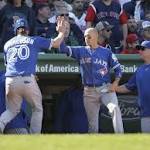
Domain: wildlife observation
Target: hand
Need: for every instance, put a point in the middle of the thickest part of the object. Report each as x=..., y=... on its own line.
x=62, y=24
x=36, y=77
x=113, y=87
x=61, y=27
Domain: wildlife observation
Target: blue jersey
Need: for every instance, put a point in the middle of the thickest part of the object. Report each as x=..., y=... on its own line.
x=21, y=54
x=95, y=65
x=140, y=81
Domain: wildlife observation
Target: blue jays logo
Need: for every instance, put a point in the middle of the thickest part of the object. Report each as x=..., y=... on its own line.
x=114, y=58
x=103, y=71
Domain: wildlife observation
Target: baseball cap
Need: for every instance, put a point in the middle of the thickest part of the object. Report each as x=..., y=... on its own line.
x=145, y=24
x=20, y=23
x=144, y=44
x=103, y=25
x=131, y=38
x=62, y=10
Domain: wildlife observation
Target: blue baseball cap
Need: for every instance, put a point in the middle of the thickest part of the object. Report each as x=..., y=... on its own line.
x=144, y=44
x=145, y=24
x=20, y=23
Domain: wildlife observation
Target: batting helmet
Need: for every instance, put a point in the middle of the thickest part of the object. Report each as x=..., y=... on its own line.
x=20, y=23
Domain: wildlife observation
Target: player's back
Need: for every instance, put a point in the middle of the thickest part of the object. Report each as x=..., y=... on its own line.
x=21, y=55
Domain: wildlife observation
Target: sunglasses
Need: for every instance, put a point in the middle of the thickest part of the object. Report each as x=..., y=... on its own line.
x=140, y=48
x=147, y=29
x=64, y=15
x=108, y=30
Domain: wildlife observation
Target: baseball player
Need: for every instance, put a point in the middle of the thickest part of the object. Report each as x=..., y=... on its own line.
x=21, y=57
x=140, y=81
x=95, y=63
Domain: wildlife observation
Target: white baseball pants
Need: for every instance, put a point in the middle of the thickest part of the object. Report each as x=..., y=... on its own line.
x=18, y=88
x=93, y=97
x=145, y=124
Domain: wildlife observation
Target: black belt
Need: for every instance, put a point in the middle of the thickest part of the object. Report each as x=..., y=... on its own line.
x=23, y=75
x=93, y=85
x=26, y=75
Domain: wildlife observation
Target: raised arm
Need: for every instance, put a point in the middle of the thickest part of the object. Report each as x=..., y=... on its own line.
x=61, y=28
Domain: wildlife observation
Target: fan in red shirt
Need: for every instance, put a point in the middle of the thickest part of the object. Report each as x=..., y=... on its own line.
x=110, y=11
x=132, y=41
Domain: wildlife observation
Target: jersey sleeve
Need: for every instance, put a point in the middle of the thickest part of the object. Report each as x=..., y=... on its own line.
x=91, y=14
x=123, y=18
x=71, y=51
x=115, y=65
x=43, y=43
x=131, y=84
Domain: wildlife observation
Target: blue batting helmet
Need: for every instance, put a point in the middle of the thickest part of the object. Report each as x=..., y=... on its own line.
x=20, y=23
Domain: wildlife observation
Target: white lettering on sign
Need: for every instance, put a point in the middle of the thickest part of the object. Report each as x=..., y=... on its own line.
x=74, y=69
x=56, y=68
x=129, y=69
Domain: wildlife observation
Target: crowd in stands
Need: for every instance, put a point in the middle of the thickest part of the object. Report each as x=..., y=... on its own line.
x=122, y=24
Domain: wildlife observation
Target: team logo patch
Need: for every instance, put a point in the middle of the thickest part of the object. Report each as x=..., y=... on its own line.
x=103, y=71
x=114, y=57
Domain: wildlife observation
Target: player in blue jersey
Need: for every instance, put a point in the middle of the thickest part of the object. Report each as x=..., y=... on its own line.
x=21, y=57
x=95, y=65
x=140, y=81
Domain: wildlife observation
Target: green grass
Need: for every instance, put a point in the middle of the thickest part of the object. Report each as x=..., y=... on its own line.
x=76, y=142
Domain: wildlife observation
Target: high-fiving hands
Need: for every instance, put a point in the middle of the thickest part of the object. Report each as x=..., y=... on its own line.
x=62, y=25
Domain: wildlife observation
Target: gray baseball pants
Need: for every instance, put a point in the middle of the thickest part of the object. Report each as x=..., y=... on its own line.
x=16, y=131
x=18, y=88
x=93, y=97
x=145, y=124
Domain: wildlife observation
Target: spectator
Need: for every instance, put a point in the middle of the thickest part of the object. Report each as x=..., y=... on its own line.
x=38, y=2
x=74, y=36
x=104, y=31
x=13, y=10
x=78, y=13
x=19, y=125
x=43, y=27
x=86, y=4
x=29, y=3
x=132, y=42
x=142, y=10
x=56, y=6
x=132, y=26
x=101, y=10
x=2, y=4
x=59, y=5
x=146, y=30
x=129, y=8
